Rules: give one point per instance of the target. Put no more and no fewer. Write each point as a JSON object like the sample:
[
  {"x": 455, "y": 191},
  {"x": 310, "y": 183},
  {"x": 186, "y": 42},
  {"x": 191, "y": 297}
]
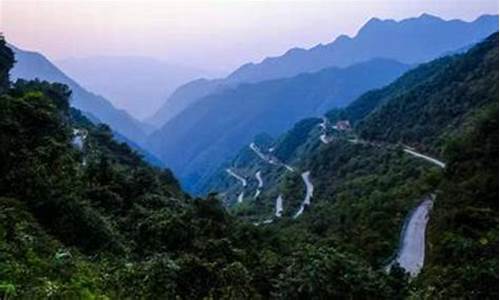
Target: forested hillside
[
  {"x": 410, "y": 41},
  {"x": 129, "y": 80},
  {"x": 83, "y": 216},
  {"x": 367, "y": 180},
  {"x": 204, "y": 135},
  {"x": 463, "y": 236},
  {"x": 32, "y": 65},
  {"x": 428, "y": 112}
]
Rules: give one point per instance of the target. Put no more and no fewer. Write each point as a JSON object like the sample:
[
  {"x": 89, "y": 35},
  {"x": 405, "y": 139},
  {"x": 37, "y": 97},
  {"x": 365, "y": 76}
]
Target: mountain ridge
[
  {"x": 193, "y": 142},
  {"x": 136, "y": 83},
  {"x": 373, "y": 24},
  {"x": 344, "y": 51},
  {"x": 32, "y": 64}
]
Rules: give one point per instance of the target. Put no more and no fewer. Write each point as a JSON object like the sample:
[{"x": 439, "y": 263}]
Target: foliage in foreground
[{"x": 97, "y": 222}]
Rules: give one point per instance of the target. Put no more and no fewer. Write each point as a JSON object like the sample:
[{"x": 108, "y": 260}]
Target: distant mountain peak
[
  {"x": 487, "y": 18},
  {"x": 427, "y": 16},
  {"x": 295, "y": 50},
  {"x": 341, "y": 39},
  {"x": 373, "y": 20},
  {"x": 376, "y": 23},
  {"x": 425, "y": 37},
  {"x": 30, "y": 65}
]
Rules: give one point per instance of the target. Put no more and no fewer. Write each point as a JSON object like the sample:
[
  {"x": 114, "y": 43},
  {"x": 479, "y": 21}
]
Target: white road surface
[
  {"x": 79, "y": 138},
  {"x": 309, "y": 193},
  {"x": 257, "y": 151},
  {"x": 279, "y": 207},
  {"x": 289, "y": 168},
  {"x": 324, "y": 138},
  {"x": 411, "y": 254},
  {"x": 428, "y": 158},
  {"x": 324, "y": 124},
  {"x": 241, "y": 179},
  {"x": 243, "y": 183},
  {"x": 258, "y": 176},
  {"x": 269, "y": 158},
  {"x": 240, "y": 197}
]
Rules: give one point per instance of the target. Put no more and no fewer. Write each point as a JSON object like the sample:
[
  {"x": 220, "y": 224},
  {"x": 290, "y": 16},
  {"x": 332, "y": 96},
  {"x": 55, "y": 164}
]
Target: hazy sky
[{"x": 209, "y": 34}]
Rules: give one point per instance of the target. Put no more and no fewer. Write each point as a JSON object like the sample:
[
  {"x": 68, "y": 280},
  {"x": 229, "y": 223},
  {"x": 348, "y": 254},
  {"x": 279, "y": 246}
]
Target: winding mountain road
[
  {"x": 279, "y": 207},
  {"x": 241, "y": 179},
  {"x": 258, "y": 176},
  {"x": 427, "y": 158},
  {"x": 269, "y": 158},
  {"x": 324, "y": 123},
  {"x": 407, "y": 149},
  {"x": 411, "y": 252},
  {"x": 259, "y": 153},
  {"x": 410, "y": 256},
  {"x": 259, "y": 179},
  {"x": 325, "y": 139},
  {"x": 79, "y": 137},
  {"x": 309, "y": 193},
  {"x": 240, "y": 197}
]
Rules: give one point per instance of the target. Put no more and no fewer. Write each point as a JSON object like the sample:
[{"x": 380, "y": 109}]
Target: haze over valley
[{"x": 249, "y": 150}]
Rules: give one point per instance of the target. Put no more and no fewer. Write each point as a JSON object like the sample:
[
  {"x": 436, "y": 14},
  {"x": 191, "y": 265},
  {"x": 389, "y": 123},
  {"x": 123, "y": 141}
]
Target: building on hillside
[{"x": 343, "y": 125}]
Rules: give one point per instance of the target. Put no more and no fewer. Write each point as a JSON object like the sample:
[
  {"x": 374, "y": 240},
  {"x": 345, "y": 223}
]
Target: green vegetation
[
  {"x": 464, "y": 227},
  {"x": 363, "y": 191},
  {"x": 427, "y": 113},
  {"x": 97, "y": 222}
]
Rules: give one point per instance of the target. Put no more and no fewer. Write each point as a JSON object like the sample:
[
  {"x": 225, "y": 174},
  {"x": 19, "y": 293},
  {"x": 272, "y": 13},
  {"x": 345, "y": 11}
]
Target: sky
[{"x": 213, "y": 35}]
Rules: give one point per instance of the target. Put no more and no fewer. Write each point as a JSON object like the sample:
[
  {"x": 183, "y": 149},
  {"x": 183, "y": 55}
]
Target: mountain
[
  {"x": 410, "y": 41},
  {"x": 136, "y": 84},
  {"x": 430, "y": 137},
  {"x": 422, "y": 109},
  {"x": 182, "y": 98},
  {"x": 83, "y": 217},
  {"x": 31, "y": 65},
  {"x": 206, "y": 134}
]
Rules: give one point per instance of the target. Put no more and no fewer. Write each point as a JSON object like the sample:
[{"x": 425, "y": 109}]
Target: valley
[
  {"x": 364, "y": 168},
  {"x": 311, "y": 143}
]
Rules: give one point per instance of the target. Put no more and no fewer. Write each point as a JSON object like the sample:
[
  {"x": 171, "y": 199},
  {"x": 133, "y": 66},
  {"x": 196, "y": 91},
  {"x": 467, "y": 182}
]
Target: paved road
[
  {"x": 325, "y": 139},
  {"x": 240, "y": 197},
  {"x": 258, "y": 176},
  {"x": 241, "y": 179},
  {"x": 243, "y": 183},
  {"x": 78, "y": 138},
  {"x": 428, "y": 158},
  {"x": 279, "y": 207},
  {"x": 309, "y": 193},
  {"x": 411, "y": 254},
  {"x": 269, "y": 158},
  {"x": 259, "y": 179}
]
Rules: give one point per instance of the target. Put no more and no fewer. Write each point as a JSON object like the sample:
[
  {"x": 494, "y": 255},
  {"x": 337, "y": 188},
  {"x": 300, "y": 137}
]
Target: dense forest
[
  {"x": 364, "y": 190},
  {"x": 84, "y": 216}
]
